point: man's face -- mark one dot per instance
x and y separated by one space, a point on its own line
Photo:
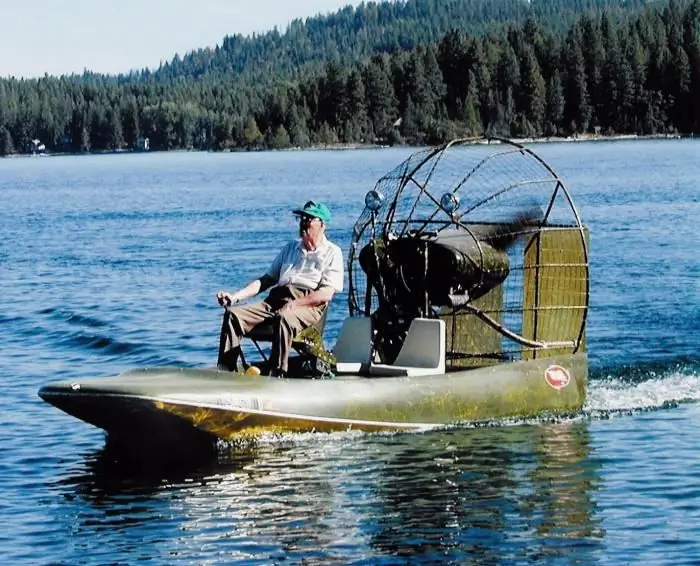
310 228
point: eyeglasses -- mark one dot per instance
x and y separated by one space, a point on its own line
307 219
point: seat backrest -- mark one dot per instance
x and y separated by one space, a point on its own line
354 344
424 346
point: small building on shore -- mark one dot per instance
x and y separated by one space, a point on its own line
142 144
36 147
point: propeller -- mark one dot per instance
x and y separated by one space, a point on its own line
502 235
455 262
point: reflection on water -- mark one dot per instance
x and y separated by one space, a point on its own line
481 495
564 481
490 494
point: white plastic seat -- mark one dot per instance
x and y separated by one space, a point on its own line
353 348
422 353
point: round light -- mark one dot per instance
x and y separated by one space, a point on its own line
449 202
374 200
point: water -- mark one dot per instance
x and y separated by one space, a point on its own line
112 262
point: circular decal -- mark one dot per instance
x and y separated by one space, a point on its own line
557 377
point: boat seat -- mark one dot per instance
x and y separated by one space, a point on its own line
422 352
353 348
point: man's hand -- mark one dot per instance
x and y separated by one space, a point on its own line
253 288
227 299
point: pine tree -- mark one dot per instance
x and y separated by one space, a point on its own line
115 131
297 128
130 122
281 138
594 59
533 92
577 111
381 98
555 105
437 89
471 117
7 147
85 142
252 137
356 117
332 94
508 74
452 59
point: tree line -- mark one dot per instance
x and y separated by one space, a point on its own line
607 72
352 34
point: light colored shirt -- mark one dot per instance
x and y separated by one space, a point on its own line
295 265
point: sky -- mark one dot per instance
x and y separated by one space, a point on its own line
58 37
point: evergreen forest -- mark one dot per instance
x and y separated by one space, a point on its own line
413 72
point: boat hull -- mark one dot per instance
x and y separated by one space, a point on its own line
173 404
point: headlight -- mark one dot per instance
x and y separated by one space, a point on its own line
449 202
374 200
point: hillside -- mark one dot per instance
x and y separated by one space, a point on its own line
352 34
626 69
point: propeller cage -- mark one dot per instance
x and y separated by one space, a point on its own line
503 260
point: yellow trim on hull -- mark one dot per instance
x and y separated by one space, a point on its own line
228 424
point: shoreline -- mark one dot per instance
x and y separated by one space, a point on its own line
580 138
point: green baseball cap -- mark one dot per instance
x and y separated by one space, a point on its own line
315 210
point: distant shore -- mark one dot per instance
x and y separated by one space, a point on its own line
544 139
596 137
347 146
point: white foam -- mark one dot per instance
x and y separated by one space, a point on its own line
618 394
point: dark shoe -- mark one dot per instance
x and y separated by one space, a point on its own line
228 361
274 372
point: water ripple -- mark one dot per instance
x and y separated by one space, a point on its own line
113 264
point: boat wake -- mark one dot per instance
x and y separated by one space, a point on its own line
628 390
642 387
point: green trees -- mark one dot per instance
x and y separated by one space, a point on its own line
252 137
382 105
532 99
7 146
554 111
455 68
421 92
577 109
631 71
357 125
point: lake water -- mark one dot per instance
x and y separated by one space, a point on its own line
112 262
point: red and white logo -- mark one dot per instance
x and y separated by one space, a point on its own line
557 377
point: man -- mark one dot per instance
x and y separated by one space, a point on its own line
304 277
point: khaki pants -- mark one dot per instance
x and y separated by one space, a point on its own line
238 320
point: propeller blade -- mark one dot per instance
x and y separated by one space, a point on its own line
503 234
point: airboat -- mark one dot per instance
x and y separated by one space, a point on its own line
468 297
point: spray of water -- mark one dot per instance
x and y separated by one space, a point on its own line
642 388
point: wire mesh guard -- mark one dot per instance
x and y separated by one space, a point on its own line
483 234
